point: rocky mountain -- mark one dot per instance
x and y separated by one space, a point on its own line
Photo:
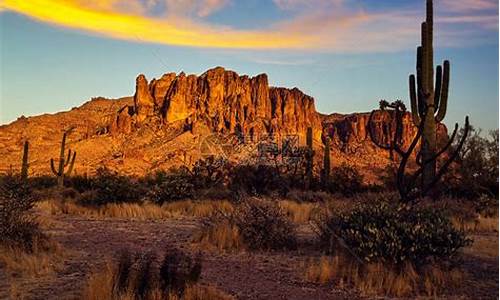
179 118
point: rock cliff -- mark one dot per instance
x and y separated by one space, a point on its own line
223 102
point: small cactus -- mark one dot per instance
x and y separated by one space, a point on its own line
25 165
69 162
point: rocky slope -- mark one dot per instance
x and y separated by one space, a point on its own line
173 120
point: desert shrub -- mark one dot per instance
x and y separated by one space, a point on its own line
139 277
80 183
167 187
308 196
179 270
256 180
394 233
210 172
254 224
110 187
42 182
18 228
346 180
263 225
476 170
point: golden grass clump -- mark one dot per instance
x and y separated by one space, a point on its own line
299 212
480 224
223 236
146 211
376 279
44 259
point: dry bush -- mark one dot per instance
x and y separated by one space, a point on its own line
140 277
255 224
380 279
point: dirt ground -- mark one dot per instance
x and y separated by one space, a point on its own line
279 275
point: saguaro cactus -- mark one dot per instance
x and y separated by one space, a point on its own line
326 163
25 165
428 102
309 157
69 162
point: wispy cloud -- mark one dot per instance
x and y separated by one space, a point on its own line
467 6
319 25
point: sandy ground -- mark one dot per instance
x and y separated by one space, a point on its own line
88 243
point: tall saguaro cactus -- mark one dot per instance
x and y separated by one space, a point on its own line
25 165
309 157
428 102
69 162
326 163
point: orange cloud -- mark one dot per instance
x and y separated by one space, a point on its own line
319 25
74 14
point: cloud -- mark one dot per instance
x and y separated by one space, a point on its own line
469 5
202 8
313 25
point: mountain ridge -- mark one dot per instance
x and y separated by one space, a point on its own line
168 120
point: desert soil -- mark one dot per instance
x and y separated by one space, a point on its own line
89 243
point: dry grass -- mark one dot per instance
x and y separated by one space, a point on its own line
483 246
135 211
378 279
102 285
299 212
223 236
41 261
479 225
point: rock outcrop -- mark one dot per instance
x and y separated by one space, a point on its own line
223 102
143 101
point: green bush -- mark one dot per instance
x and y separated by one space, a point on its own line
110 187
346 180
18 227
394 233
256 180
170 188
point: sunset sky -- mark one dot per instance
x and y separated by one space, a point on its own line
347 54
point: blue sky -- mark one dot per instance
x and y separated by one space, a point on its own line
347 54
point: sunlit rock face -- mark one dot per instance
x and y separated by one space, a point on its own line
223 101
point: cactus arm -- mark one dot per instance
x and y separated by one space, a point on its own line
446 147
443 104
66 161
437 92
52 166
413 100
70 169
